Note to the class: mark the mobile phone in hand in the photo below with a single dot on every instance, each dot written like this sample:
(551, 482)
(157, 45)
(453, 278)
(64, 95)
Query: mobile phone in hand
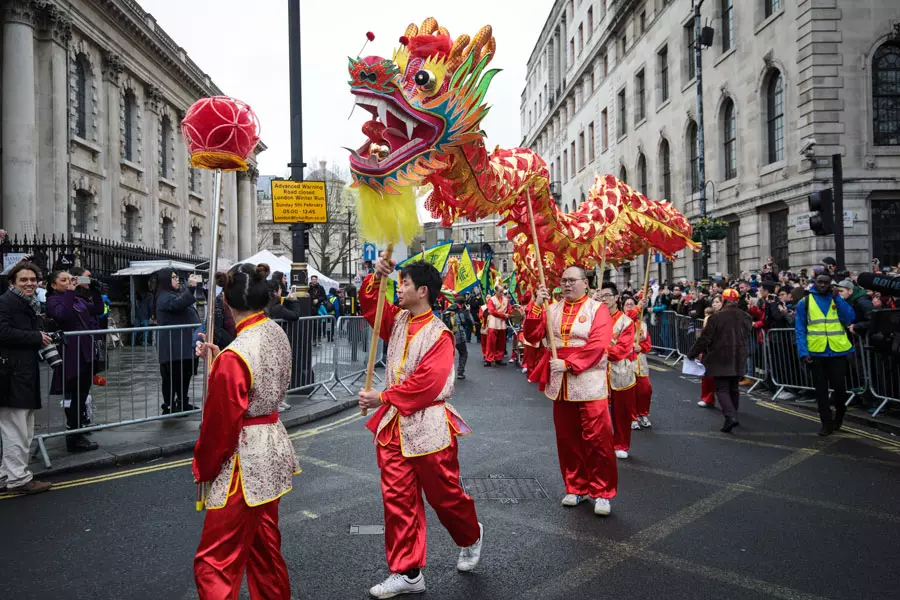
(84, 281)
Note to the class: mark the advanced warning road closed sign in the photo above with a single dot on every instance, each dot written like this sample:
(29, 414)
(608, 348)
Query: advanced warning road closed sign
(299, 202)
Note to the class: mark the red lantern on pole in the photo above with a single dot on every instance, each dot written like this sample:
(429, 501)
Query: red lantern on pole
(220, 133)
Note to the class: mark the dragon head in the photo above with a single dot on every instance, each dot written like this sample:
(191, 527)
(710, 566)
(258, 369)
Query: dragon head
(423, 102)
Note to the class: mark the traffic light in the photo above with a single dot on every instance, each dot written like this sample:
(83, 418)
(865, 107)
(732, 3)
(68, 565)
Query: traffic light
(821, 203)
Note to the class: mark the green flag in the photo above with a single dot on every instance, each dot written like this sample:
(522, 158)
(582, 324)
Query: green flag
(465, 273)
(436, 255)
(511, 284)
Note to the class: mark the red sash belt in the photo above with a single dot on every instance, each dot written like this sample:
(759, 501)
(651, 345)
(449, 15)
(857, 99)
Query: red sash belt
(268, 419)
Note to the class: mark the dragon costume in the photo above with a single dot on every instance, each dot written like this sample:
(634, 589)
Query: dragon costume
(427, 104)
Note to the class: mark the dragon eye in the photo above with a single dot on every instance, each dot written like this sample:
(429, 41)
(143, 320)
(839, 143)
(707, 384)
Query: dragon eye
(366, 76)
(425, 79)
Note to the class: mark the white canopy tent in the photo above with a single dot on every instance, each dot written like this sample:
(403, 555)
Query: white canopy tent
(145, 268)
(283, 264)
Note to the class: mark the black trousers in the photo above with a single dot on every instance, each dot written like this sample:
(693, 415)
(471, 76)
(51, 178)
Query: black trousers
(463, 352)
(77, 391)
(176, 380)
(830, 372)
(477, 330)
(728, 395)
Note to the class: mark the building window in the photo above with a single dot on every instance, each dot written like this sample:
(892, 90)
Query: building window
(604, 130)
(778, 238)
(590, 81)
(665, 163)
(580, 37)
(694, 157)
(886, 95)
(690, 64)
(886, 230)
(195, 240)
(165, 129)
(82, 211)
(192, 179)
(565, 165)
(591, 142)
(572, 51)
(727, 25)
(640, 111)
(605, 64)
(642, 174)
(131, 217)
(623, 174)
(168, 233)
(623, 44)
(643, 21)
(81, 96)
(662, 61)
(622, 126)
(771, 7)
(729, 132)
(733, 249)
(602, 8)
(130, 126)
(573, 157)
(590, 21)
(581, 154)
(775, 116)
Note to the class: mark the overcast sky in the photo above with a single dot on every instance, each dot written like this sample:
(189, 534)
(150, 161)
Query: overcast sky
(243, 46)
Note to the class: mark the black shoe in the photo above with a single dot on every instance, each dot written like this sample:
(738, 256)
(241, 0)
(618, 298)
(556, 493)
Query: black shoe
(488, 363)
(79, 443)
(189, 406)
(826, 430)
(729, 425)
(461, 376)
(839, 419)
(500, 363)
(164, 409)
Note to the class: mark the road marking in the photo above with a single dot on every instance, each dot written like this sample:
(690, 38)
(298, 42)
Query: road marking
(655, 368)
(175, 463)
(309, 515)
(856, 430)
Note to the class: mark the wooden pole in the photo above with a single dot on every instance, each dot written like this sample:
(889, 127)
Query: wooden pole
(540, 264)
(603, 266)
(646, 284)
(376, 328)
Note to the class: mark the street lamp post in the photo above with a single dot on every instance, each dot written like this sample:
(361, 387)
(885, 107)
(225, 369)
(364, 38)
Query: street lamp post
(299, 231)
(702, 36)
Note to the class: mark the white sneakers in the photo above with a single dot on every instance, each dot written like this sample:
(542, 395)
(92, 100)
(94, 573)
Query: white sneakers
(644, 422)
(572, 500)
(635, 426)
(283, 407)
(601, 506)
(524, 369)
(621, 454)
(397, 584)
(702, 404)
(469, 556)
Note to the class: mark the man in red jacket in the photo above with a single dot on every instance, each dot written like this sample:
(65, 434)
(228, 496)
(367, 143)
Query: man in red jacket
(498, 309)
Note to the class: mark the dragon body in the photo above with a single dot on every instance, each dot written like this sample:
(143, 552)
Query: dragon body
(428, 103)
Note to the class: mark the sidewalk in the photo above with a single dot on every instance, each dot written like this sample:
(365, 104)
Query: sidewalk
(155, 439)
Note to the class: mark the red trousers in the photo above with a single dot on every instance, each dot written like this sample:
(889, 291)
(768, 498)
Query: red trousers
(402, 482)
(531, 355)
(494, 345)
(585, 447)
(622, 411)
(708, 391)
(236, 537)
(643, 391)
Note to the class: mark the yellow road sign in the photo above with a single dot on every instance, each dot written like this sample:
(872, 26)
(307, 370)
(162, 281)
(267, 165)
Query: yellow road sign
(298, 202)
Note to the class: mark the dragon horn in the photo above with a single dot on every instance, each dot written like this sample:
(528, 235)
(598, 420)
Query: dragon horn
(478, 42)
(455, 58)
(429, 26)
(411, 30)
(443, 31)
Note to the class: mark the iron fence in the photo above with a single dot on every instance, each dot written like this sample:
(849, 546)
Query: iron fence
(354, 335)
(661, 328)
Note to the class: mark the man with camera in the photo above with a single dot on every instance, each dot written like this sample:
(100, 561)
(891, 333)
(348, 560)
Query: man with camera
(21, 338)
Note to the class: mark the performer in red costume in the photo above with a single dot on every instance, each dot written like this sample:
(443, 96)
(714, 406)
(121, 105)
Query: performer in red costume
(415, 430)
(643, 391)
(498, 309)
(621, 369)
(576, 380)
(244, 450)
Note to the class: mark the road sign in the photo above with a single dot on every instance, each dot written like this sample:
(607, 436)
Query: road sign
(298, 202)
(659, 258)
(369, 251)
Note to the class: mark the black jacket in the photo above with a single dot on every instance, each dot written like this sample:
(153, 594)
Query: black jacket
(288, 311)
(725, 343)
(317, 296)
(20, 340)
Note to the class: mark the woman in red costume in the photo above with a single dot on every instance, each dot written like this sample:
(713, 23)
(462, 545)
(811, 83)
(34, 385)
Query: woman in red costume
(244, 452)
(643, 391)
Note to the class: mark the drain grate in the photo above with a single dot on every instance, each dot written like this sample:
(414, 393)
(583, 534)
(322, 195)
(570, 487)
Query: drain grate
(367, 530)
(506, 489)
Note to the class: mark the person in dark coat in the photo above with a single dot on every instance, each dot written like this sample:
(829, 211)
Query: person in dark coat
(475, 304)
(725, 344)
(74, 309)
(21, 337)
(143, 314)
(175, 306)
(287, 310)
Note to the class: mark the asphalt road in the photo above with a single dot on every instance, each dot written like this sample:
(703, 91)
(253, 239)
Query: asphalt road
(772, 511)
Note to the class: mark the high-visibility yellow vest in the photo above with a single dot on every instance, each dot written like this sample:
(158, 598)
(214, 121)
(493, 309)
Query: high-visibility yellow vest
(825, 331)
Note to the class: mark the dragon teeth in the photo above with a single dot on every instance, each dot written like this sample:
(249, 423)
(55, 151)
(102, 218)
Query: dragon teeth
(382, 111)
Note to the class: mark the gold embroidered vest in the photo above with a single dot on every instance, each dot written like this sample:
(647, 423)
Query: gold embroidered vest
(501, 306)
(428, 430)
(621, 373)
(643, 370)
(265, 453)
(591, 384)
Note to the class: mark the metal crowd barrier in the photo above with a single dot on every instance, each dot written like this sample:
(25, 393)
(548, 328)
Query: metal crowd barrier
(883, 377)
(352, 340)
(313, 370)
(756, 361)
(788, 372)
(686, 332)
(119, 385)
(661, 327)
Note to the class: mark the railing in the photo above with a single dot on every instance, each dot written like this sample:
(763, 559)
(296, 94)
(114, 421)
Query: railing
(661, 327)
(352, 351)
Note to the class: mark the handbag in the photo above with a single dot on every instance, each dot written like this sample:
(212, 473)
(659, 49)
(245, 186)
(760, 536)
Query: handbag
(99, 363)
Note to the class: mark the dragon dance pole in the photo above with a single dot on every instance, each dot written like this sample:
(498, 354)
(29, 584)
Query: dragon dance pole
(603, 265)
(540, 262)
(646, 283)
(376, 327)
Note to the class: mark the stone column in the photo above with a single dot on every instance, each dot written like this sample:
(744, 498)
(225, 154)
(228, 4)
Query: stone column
(111, 196)
(244, 215)
(19, 130)
(254, 223)
(152, 99)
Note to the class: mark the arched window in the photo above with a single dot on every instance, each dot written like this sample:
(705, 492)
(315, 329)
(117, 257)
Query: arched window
(623, 174)
(566, 209)
(775, 116)
(168, 233)
(729, 140)
(665, 164)
(582, 199)
(195, 240)
(886, 95)
(130, 125)
(131, 218)
(165, 134)
(642, 174)
(81, 105)
(82, 211)
(504, 266)
(693, 157)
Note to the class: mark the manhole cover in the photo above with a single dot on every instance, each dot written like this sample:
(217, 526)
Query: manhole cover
(504, 488)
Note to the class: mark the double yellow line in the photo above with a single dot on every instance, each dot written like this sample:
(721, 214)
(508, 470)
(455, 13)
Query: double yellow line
(855, 430)
(184, 462)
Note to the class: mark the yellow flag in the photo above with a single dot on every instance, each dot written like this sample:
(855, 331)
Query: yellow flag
(436, 255)
(465, 273)
(390, 290)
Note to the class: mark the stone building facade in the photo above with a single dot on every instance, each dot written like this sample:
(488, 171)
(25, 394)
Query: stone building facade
(93, 93)
(611, 88)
